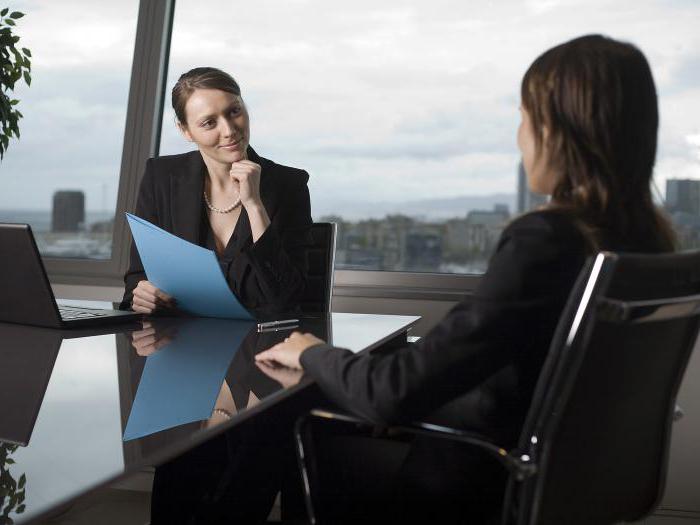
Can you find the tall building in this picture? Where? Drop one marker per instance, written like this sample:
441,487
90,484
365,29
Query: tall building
683,195
527,200
68,214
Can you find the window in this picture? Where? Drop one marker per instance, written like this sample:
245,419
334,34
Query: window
62,176
405,114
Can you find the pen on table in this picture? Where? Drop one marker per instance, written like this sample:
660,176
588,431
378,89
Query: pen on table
271,324
278,328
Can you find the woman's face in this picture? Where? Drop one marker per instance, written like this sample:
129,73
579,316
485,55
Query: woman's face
539,177
217,121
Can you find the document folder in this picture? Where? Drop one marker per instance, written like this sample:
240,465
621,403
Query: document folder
185,271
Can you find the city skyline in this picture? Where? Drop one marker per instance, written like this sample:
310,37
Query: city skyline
459,241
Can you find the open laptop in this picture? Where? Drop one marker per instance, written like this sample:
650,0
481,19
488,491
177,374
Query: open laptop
26,296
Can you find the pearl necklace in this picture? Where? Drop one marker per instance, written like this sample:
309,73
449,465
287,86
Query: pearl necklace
228,209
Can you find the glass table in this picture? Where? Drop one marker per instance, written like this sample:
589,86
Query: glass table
82,409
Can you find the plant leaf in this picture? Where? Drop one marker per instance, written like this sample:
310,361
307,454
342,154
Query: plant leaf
28,78
16,15
22,481
4,11
9,22
26,52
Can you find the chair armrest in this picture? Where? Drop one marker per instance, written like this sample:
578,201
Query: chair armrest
320,510
517,465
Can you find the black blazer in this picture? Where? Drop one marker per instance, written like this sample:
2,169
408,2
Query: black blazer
477,368
267,276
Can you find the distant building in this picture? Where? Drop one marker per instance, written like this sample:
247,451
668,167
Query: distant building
68,214
379,244
483,228
423,251
527,200
456,234
683,196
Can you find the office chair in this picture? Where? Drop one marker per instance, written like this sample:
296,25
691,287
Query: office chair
321,262
594,446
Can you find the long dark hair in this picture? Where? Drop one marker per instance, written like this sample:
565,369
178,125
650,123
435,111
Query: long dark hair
597,100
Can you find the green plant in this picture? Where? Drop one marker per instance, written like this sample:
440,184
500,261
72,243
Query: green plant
10,490
14,66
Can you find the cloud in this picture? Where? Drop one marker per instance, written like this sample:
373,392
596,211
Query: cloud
72,134
77,33
685,74
694,141
375,100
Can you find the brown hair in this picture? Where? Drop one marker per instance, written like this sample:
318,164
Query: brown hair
200,78
596,98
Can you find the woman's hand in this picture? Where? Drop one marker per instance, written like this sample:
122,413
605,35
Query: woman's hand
288,352
286,377
245,175
149,340
149,299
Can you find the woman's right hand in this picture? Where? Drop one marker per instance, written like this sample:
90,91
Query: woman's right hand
148,299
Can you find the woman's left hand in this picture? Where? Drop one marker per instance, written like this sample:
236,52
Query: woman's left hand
288,352
287,377
245,175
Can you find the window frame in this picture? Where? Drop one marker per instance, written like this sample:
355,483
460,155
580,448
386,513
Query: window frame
142,140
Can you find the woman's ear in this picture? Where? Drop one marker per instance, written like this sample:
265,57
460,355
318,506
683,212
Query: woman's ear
183,129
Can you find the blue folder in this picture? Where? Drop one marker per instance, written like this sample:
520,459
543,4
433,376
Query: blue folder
181,381
185,271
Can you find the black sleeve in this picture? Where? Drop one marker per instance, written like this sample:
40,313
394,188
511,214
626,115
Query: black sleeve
519,298
271,273
146,209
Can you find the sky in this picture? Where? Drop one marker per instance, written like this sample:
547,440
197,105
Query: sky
379,102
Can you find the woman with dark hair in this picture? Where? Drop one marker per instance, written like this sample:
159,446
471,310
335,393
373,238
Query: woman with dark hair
253,213
588,139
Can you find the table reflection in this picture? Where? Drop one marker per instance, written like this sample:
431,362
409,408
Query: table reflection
181,376
59,416
183,371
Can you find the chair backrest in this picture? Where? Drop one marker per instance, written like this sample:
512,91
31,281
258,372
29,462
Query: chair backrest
598,429
320,263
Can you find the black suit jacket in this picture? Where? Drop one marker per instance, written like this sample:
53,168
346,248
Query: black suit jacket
477,368
267,276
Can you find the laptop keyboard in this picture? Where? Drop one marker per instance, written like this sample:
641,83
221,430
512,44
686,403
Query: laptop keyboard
71,312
